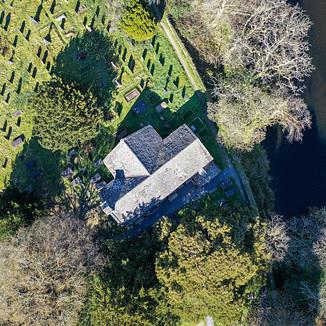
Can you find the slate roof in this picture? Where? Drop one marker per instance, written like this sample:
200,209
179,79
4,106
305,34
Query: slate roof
136,153
148,168
209,172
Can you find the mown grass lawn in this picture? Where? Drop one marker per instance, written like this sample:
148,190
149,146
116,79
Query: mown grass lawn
151,67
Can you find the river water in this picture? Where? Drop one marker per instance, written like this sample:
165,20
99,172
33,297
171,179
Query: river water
298,170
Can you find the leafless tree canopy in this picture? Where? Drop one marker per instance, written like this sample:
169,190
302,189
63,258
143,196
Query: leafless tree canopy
43,272
114,10
264,53
283,312
299,243
277,239
267,39
244,111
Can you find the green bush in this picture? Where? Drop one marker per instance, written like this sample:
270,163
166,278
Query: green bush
17,210
137,21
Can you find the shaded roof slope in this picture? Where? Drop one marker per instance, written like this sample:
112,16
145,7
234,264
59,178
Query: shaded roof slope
145,144
168,165
135,154
176,142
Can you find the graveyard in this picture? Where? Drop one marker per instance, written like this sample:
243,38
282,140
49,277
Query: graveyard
137,83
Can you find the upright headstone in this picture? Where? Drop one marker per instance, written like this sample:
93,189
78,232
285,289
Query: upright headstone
33,20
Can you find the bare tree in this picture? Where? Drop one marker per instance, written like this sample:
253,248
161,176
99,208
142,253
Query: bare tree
277,238
270,44
244,111
263,49
44,271
283,312
263,38
114,10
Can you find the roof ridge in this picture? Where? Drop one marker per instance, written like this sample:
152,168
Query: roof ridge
135,154
132,148
156,156
139,131
195,137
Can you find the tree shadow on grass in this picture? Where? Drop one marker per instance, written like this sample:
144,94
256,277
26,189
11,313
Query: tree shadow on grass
203,66
164,122
49,183
93,71
86,62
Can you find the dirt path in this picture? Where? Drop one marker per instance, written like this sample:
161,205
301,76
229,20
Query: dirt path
177,51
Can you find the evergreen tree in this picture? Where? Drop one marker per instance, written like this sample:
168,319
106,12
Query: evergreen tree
17,209
64,115
210,267
137,21
128,293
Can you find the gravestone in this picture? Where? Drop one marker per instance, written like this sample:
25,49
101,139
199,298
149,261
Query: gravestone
60,18
75,182
143,56
17,142
29,189
46,42
160,108
95,178
17,113
117,83
66,173
98,163
71,153
4,165
161,60
33,20
81,9
12,77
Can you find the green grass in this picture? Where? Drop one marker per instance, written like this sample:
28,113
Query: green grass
34,62
185,55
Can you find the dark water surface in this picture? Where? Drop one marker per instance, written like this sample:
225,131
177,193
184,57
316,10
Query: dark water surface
299,169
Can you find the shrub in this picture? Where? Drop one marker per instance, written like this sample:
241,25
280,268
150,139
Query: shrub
137,21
